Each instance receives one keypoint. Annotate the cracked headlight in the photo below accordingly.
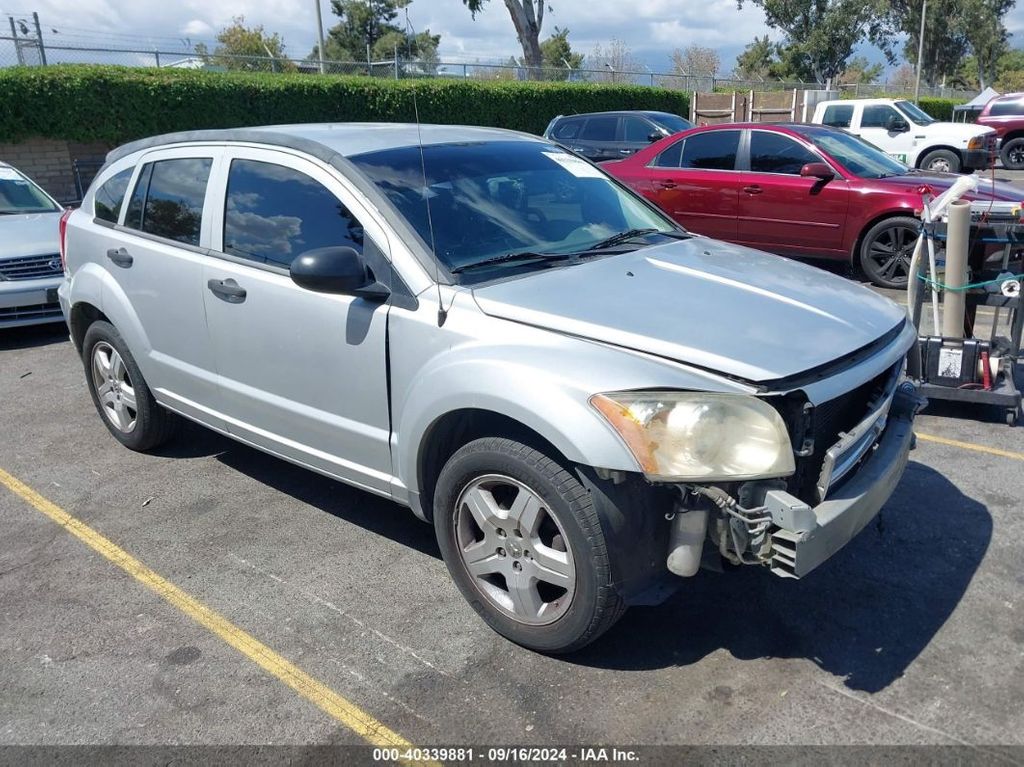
(699, 436)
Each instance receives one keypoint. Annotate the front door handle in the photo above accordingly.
(120, 257)
(228, 290)
(667, 184)
(625, 151)
(753, 189)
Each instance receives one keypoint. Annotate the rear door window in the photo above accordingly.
(714, 150)
(600, 129)
(168, 199)
(838, 115)
(1007, 107)
(274, 213)
(109, 197)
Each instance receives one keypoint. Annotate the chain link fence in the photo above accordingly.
(29, 50)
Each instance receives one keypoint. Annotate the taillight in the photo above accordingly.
(63, 235)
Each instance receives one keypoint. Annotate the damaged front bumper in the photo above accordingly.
(767, 525)
(803, 537)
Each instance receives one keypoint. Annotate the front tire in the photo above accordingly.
(524, 544)
(941, 161)
(1012, 154)
(120, 393)
(886, 249)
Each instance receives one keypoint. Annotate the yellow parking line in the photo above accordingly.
(347, 713)
(971, 446)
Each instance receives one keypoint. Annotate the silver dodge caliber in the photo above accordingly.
(587, 402)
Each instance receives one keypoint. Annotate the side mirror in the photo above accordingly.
(335, 270)
(818, 170)
(898, 125)
(655, 136)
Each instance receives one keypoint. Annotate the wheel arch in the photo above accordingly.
(83, 314)
(872, 222)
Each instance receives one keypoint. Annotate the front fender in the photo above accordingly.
(539, 378)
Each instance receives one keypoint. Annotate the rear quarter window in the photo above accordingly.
(109, 197)
(567, 129)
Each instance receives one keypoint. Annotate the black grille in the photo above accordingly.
(828, 420)
(32, 312)
(30, 267)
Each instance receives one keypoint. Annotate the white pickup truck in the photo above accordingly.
(904, 131)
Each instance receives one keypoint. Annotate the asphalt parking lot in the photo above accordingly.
(914, 634)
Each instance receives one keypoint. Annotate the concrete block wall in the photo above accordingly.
(49, 162)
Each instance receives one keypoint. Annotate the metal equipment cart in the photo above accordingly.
(1003, 393)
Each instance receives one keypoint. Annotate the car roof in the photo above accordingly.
(645, 112)
(786, 127)
(344, 139)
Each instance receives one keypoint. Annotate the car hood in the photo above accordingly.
(962, 131)
(939, 182)
(29, 234)
(703, 302)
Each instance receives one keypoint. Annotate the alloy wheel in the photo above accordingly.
(514, 549)
(114, 387)
(889, 254)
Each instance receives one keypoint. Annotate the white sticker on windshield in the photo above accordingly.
(576, 166)
(9, 174)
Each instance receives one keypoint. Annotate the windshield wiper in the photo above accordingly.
(508, 258)
(632, 234)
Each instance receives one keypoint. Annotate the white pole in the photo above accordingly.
(920, 54)
(320, 37)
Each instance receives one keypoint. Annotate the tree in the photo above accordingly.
(903, 78)
(953, 29)
(695, 60)
(557, 55)
(368, 26)
(247, 48)
(757, 59)
(613, 63)
(527, 18)
(986, 35)
(821, 34)
(860, 72)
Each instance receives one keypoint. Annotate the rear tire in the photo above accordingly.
(1012, 154)
(886, 249)
(941, 161)
(524, 544)
(120, 393)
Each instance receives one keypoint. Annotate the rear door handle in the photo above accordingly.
(753, 189)
(625, 151)
(120, 257)
(228, 290)
(668, 184)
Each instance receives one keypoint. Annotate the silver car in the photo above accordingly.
(30, 266)
(586, 401)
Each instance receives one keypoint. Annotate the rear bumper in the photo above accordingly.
(803, 536)
(29, 302)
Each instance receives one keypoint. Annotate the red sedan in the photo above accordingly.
(793, 189)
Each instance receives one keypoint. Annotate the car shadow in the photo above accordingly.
(371, 512)
(32, 336)
(865, 615)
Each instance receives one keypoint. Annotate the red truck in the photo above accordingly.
(1006, 115)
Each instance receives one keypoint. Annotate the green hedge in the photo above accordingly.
(940, 109)
(118, 104)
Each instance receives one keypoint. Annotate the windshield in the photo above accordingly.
(495, 198)
(915, 113)
(672, 123)
(19, 195)
(855, 154)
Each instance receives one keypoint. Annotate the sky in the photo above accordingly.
(650, 28)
